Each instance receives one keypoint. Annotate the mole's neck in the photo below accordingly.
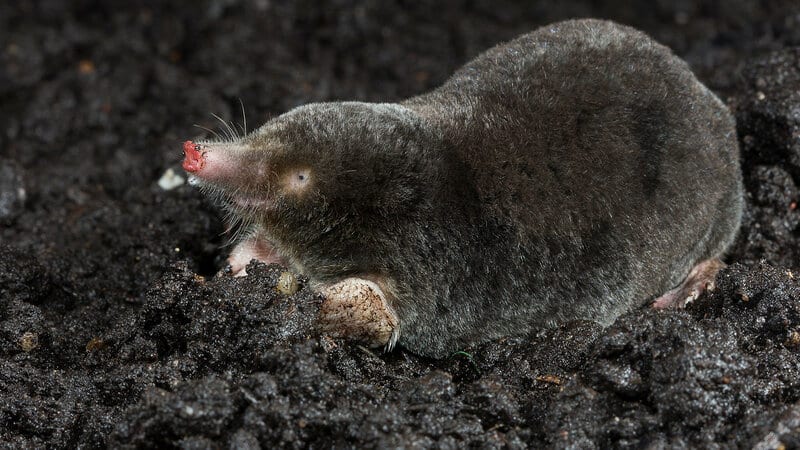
(450, 114)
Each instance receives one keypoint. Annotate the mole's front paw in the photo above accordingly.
(357, 309)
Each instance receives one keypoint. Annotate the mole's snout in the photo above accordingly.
(219, 162)
(194, 160)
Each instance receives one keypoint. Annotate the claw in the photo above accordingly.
(699, 280)
(392, 340)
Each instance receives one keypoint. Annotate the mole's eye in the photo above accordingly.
(303, 176)
(298, 179)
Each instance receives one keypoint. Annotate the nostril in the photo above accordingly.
(193, 160)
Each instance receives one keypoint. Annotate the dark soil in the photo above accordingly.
(114, 331)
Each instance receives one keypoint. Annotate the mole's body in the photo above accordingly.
(573, 173)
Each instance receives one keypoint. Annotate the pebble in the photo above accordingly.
(170, 180)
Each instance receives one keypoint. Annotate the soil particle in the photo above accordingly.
(139, 344)
(768, 122)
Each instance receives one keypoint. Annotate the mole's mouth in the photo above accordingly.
(250, 201)
(245, 203)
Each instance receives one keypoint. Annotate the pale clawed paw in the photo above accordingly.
(357, 309)
(699, 280)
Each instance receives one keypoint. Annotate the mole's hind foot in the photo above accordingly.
(357, 309)
(700, 279)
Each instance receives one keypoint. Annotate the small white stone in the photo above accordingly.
(170, 180)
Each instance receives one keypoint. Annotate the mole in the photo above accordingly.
(574, 173)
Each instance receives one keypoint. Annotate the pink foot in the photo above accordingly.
(700, 279)
(253, 247)
(357, 309)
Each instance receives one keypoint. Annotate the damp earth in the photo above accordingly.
(116, 331)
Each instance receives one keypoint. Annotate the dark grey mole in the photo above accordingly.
(576, 172)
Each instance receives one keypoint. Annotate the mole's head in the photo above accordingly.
(321, 164)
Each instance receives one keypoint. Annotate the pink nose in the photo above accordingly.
(194, 160)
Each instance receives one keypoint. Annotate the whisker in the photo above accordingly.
(244, 117)
(216, 135)
(225, 134)
(244, 226)
(230, 132)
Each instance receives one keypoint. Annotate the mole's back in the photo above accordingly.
(615, 168)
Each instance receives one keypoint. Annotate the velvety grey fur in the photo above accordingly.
(573, 173)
